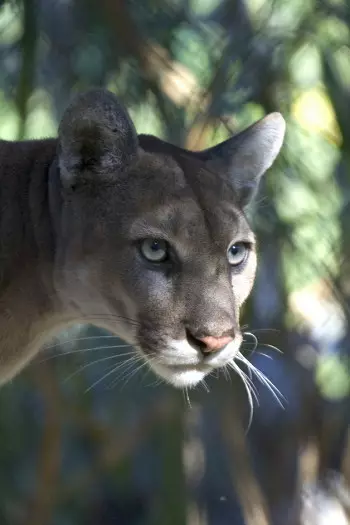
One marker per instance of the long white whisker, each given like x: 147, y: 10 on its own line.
x: 263, y: 379
x: 254, y: 338
x: 250, y: 374
x: 187, y: 397
x: 82, y: 350
x: 238, y: 371
x: 75, y: 339
x: 114, y: 369
x: 124, y: 370
x: 156, y: 382
x: 250, y: 383
x: 244, y: 327
x: 131, y: 374
x: 145, y: 372
x: 252, y: 387
x: 101, y: 317
x: 204, y: 384
x: 269, y: 384
x: 257, y: 343
x: 272, y: 347
x: 265, y: 355
x: 226, y: 373
x: 91, y: 363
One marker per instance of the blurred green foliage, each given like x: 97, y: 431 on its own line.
x: 192, y: 72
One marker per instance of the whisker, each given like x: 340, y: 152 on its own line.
x: 265, y: 355
x: 254, y: 338
x: 82, y: 350
x: 272, y: 347
x: 187, y: 397
x: 156, y: 382
x: 250, y: 383
x: 204, y: 384
x: 132, y: 374
x: 129, y: 373
x: 250, y: 374
x: 257, y: 343
x: 260, y: 375
x: 253, y: 388
x: 238, y: 371
x: 145, y: 372
x: 263, y: 379
x: 91, y: 363
x: 75, y: 339
x: 226, y: 373
x: 244, y: 327
x: 114, y: 369
x: 123, y: 370
x: 88, y: 317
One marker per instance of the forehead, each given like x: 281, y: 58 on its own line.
x: 177, y: 195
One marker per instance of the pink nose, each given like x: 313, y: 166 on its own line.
x: 213, y: 344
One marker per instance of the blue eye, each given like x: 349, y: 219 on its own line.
x: 237, y: 253
x: 154, y: 250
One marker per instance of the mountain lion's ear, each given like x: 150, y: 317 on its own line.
x: 97, y: 139
x: 246, y: 156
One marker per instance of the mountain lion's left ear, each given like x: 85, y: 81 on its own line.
x: 246, y: 156
x: 97, y: 139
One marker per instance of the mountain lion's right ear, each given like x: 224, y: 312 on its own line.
x: 97, y: 139
x: 245, y: 157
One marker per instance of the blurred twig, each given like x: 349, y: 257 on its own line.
x: 156, y: 66
x: 28, y: 46
x: 41, y: 507
x: 245, y: 484
x: 173, y: 497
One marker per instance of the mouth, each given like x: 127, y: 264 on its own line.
x: 182, y: 376
x: 182, y: 365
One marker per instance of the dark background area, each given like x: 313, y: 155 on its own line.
x: 80, y: 445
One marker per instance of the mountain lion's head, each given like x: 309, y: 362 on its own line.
x: 154, y: 243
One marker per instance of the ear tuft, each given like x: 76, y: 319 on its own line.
x: 246, y: 156
x: 97, y: 139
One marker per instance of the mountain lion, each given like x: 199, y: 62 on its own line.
x: 129, y: 233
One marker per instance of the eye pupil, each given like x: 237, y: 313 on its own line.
x: 154, y: 250
x: 154, y: 246
x: 237, y: 253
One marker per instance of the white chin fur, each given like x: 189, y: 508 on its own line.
x: 181, y: 378
x: 182, y: 365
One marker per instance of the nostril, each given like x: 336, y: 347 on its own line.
x: 214, y: 344
x: 208, y: 343
x: 198, y: 343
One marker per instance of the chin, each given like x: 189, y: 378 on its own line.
x: 182, y: 376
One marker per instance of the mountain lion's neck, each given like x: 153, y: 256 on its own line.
x: 27, y: 207
x: 26, y: 229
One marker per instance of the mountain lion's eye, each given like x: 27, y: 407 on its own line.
x: 154, y: 250
x: 237, y: 253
